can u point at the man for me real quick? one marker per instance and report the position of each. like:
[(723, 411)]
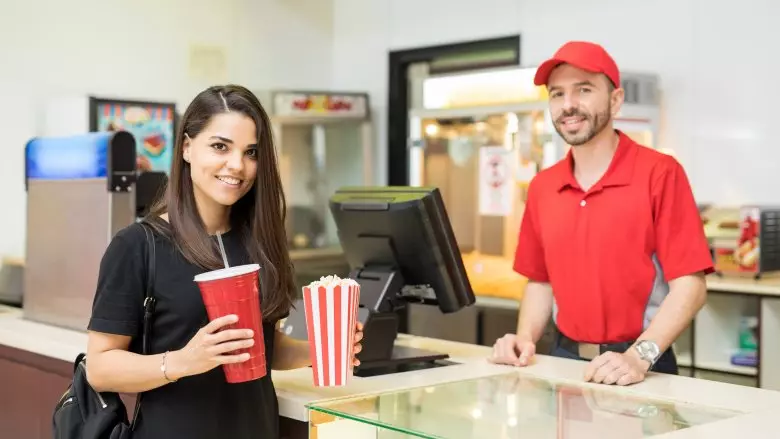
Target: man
[(611, 240)]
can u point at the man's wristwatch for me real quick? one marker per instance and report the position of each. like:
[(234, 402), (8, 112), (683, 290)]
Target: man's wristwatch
[(648, 351)]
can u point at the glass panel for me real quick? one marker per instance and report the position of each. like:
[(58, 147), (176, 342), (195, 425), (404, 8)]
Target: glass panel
[(344, 166), (316, 160), (482, 166), (509, 406)]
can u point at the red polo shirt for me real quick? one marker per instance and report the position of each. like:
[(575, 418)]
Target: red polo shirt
[(610, 252)]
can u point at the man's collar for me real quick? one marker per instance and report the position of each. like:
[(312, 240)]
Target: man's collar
[(619, 173)]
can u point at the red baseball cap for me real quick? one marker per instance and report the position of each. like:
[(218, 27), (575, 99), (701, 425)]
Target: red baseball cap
[(583, 55)]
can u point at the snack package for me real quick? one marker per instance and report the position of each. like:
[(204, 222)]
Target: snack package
[(331, 306)]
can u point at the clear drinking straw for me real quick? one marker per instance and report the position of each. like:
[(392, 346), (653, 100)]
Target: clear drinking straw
[(222, 250)]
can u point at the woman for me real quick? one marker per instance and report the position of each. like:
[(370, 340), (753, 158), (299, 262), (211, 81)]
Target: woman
[(224, 179)]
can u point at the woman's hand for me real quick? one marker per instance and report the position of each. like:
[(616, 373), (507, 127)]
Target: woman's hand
[(358, 346), (210, 347)]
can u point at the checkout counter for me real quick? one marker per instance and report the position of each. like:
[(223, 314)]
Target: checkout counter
[(470, 399)]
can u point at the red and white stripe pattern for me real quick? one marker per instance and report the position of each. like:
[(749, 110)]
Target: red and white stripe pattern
[(331, 317)]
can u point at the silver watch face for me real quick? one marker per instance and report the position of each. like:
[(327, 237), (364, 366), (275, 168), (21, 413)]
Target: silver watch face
[(648, 350)]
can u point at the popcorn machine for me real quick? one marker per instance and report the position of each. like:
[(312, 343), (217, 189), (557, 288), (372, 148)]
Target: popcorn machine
[(324, 142)]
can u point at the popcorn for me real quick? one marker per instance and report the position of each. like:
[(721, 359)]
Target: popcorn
[(331, 308), (333, 281)]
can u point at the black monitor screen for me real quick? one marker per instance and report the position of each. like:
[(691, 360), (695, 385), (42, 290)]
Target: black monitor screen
[(406, 228)]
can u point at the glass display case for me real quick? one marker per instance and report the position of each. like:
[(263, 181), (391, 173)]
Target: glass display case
[(506, 406)]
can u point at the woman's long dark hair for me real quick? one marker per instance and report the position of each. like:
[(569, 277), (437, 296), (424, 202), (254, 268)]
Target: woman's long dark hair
[(259, 216)]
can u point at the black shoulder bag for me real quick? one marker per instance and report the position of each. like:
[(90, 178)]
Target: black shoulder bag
[(83, 413)]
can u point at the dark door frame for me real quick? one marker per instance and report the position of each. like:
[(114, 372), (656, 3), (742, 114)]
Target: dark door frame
[(398, 93)]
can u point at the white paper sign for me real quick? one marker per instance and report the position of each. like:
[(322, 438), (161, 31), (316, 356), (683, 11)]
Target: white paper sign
[(496, 182)]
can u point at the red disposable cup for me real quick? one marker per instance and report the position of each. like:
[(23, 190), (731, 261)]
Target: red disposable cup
[(331, 318), (236, 290)]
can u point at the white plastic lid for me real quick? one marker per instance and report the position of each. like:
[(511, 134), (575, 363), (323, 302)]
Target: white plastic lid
[(227, 272)]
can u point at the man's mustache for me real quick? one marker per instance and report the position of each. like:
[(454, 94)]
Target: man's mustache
[(572, 113)]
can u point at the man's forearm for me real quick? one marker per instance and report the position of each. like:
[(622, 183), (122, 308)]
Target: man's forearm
[(535, 310), (687, 295)]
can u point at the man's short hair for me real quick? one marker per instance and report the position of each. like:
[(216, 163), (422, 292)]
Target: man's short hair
[(611, 86)]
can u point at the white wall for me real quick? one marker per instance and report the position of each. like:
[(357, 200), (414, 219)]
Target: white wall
[(285, 44), (720, 127), (361, 40), (140, 50), (714, 60)]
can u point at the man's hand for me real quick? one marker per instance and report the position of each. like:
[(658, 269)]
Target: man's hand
[(514, 350), (617, 368)]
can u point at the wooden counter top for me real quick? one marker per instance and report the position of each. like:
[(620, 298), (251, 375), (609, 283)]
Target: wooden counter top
[(769, 285), (12, 261)]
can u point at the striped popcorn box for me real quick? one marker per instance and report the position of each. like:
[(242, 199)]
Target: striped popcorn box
[(331, 306)]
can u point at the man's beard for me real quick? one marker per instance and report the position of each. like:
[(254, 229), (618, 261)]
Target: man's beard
[(596, 122)]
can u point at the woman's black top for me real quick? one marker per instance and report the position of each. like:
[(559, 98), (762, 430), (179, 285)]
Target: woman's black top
[(198, 407)]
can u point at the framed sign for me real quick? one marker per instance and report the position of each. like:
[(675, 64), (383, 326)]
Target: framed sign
[(153, 124), (496, 181)]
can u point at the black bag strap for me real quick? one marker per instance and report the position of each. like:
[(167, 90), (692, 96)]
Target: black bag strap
[(149, 302)]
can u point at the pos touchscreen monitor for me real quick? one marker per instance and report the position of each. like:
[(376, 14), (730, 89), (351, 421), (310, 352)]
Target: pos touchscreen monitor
[(400, 246), (401, 249)]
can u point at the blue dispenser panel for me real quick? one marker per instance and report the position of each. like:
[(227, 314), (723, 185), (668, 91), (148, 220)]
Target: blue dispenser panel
[(68, 158)]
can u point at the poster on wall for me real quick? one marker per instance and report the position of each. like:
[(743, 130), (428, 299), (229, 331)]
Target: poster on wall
[(496, 181), (153, 124)]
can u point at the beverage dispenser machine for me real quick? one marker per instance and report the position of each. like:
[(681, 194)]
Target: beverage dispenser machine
[(80, 192)]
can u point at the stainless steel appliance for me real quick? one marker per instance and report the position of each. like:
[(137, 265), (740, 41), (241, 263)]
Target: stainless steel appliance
[(79, 194), (324, 142)]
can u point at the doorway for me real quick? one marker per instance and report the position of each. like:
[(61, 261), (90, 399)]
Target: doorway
[(447, 58), (455, 57)]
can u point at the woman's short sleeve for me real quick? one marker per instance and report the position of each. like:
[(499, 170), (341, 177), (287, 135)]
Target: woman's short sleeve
[(118, 304)]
